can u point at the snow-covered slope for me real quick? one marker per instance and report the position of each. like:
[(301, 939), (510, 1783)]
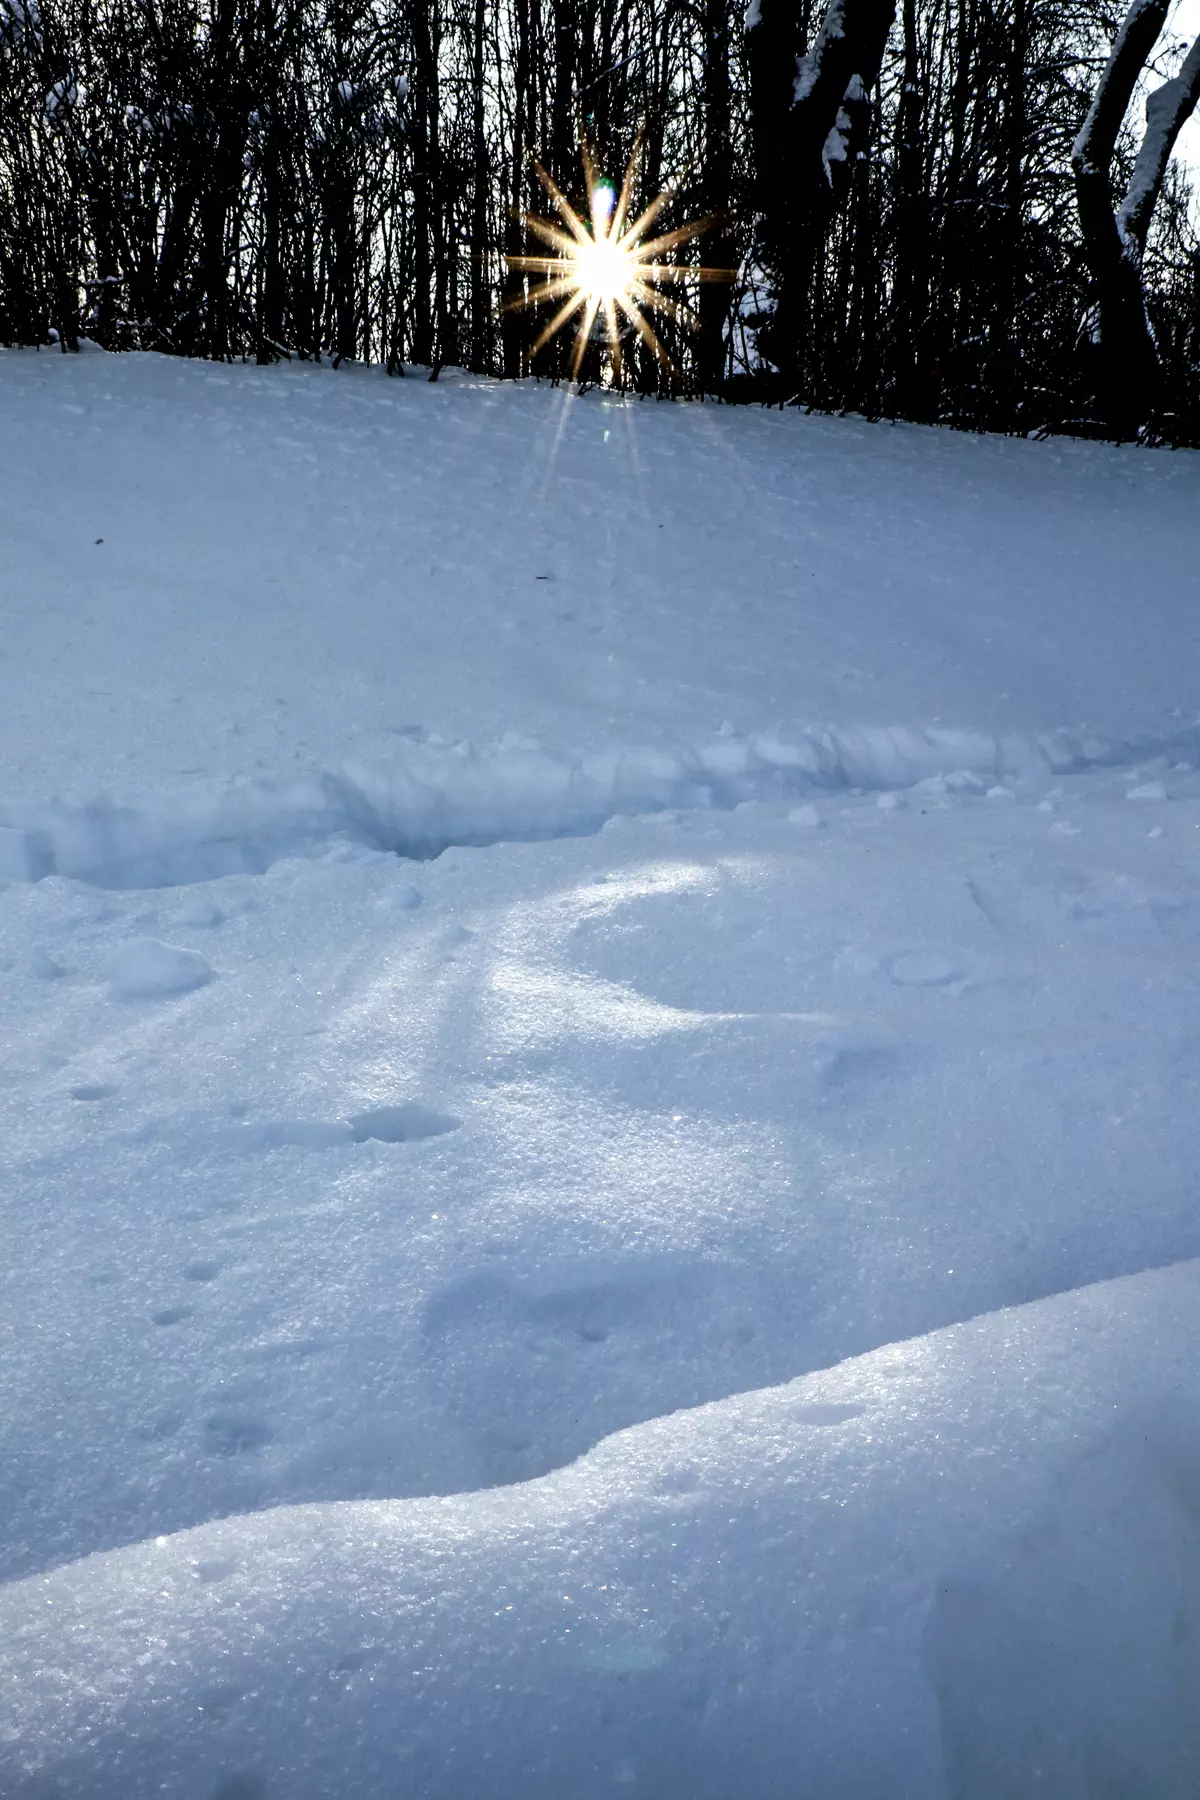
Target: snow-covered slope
[(336, 1181), (302, 566), (965, 1566)]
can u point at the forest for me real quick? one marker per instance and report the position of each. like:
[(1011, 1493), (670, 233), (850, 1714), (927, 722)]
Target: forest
[(951, 211)]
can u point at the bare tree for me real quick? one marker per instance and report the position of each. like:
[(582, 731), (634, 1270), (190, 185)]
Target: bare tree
[(809, 140), (344, 179), (1115, 240)]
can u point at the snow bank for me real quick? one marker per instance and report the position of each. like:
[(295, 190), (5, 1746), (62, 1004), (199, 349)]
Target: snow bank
[(960, 1568), (434, 795)]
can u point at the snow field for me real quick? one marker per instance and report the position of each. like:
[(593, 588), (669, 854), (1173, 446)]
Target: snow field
[(811, 1106), (411, 1198), (300, 569)]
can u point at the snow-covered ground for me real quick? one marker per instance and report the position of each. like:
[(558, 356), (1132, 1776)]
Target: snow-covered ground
[(524, 917)]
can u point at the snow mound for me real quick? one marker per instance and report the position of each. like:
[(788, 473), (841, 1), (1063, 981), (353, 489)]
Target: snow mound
[(145, 969), (982, 1541)]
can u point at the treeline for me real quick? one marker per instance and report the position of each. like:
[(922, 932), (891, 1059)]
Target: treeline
[(891, 185)]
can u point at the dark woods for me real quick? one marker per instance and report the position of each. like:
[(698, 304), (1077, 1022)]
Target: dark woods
[(946, 210)]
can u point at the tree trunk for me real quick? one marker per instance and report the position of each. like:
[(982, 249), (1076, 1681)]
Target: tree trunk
[(1129, 372), (717, 186), (1168, 108), (806, 156), (481, 324), (911, 291)]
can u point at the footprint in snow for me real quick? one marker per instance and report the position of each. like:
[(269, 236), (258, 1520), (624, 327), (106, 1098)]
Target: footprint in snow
[(145, 969), (925, 968), (850, 1066), (200, 915), (825, 1413), (405, 1124), (202, 1269), (235, 1434), (404, 898), (242, 1786), (216, 1568)]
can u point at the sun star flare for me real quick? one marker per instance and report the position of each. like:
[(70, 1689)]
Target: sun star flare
[(606, 268)]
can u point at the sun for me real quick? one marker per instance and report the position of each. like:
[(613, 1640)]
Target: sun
[(606, 268)]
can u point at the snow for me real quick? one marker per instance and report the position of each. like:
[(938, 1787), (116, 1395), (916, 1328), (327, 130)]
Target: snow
[(144, 968), (808, 67), (1132, 25), (978, 589), (599, 1172), (1168, 107), (847, 1576), (834, 149)]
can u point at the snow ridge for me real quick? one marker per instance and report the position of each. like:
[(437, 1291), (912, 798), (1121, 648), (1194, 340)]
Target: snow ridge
[(438, 794)]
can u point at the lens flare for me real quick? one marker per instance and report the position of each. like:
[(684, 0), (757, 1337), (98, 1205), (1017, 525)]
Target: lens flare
[(606, 268)]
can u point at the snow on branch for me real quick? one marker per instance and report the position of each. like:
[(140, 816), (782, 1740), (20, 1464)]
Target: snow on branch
[(1093, 149), (830, 101), (1168, 109), (833, 27)]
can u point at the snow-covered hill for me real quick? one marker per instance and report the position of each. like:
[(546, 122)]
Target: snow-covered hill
[(525, 916)]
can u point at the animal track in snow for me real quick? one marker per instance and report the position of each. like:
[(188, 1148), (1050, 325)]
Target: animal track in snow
[(172, 1315), (823, 1414), (200, 914), (925, 968), (245, 1785), (145, 969), (283, 1350), (849, 1066), (202, 1269), (217, 1568)]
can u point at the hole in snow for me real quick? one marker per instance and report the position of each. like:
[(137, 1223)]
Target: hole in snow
[(230, 1434), (826, 1412), (404, 1124), (202, 1271), (217, 1568), (171, 1315), (241, 1787)]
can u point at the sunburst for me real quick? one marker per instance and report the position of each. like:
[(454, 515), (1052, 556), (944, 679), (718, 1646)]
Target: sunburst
[(607, 268)]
